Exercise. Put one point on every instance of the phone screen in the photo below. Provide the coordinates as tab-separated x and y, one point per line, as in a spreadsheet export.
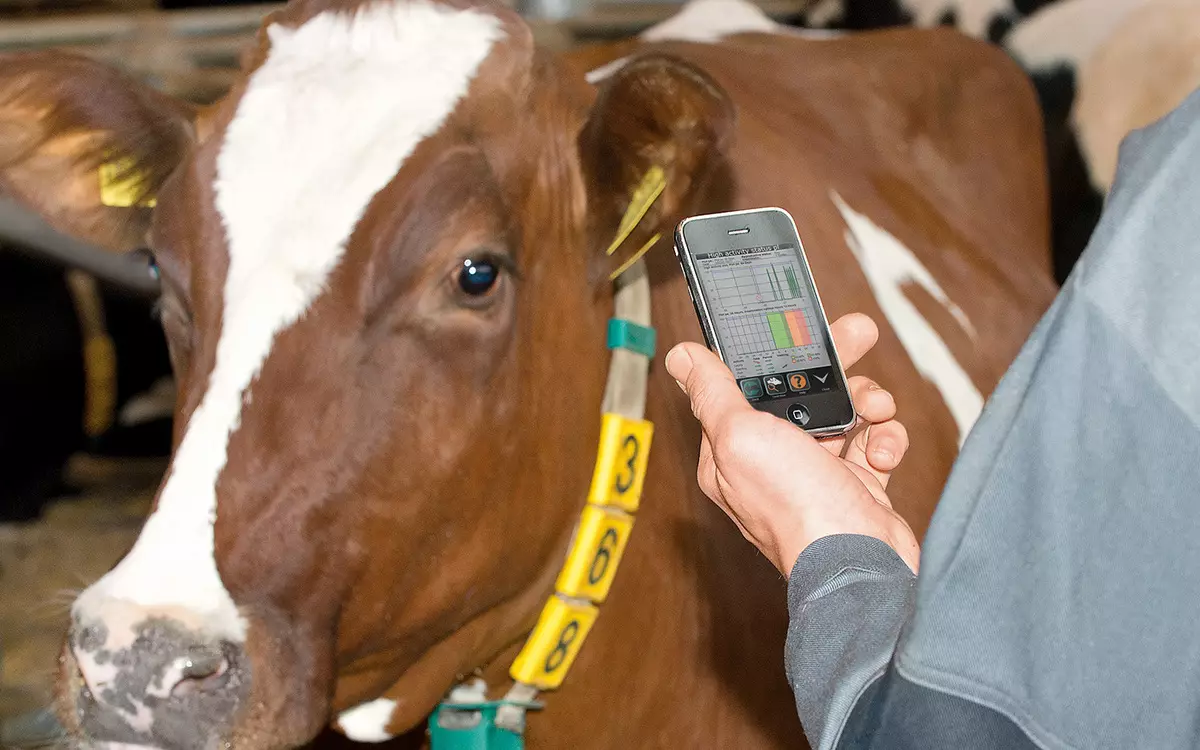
766	317
765	314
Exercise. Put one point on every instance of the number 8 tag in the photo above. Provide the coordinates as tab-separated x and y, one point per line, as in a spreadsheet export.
621	462
554	644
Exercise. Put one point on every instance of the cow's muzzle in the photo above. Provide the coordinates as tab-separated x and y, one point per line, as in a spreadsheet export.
168	686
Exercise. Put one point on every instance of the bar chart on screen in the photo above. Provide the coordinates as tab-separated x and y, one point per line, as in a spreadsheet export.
756	333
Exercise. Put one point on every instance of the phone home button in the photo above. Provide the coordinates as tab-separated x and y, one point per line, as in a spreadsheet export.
798	414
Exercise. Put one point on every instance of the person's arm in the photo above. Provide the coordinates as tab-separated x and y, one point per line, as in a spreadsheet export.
848	596
826	523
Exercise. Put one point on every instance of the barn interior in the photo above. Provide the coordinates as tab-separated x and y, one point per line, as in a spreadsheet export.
85	432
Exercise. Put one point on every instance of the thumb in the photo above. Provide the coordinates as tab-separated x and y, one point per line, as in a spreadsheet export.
709	384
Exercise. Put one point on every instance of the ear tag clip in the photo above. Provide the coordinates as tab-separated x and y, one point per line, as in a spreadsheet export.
647	191
121	186
644	195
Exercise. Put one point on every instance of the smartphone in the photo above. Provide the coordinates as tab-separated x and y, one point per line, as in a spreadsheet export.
760	312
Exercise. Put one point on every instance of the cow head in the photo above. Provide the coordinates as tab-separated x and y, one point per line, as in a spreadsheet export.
385	292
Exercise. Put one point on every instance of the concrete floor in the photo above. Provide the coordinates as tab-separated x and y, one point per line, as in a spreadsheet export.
45	563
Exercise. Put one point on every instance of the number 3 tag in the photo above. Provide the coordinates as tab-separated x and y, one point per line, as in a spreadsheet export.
621	462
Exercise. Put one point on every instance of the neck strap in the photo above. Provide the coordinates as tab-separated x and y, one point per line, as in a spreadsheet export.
604	526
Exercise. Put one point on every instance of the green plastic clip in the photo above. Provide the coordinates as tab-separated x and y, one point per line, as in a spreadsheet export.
472	726
624	334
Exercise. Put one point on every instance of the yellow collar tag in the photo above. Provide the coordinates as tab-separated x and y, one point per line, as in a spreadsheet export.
647	191
122	187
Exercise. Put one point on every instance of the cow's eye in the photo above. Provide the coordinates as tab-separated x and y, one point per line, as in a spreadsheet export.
478	276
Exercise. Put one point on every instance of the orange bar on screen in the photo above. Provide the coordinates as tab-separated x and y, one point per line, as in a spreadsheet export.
796	324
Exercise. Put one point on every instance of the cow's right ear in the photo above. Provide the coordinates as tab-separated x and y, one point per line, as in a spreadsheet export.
85	146
657	134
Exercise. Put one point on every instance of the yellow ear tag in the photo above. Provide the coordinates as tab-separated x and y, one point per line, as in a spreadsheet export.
651	186
120	187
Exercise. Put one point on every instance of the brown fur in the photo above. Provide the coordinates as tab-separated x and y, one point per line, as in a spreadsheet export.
410	464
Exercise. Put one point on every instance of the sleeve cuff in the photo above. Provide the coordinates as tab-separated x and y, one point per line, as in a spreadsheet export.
820	566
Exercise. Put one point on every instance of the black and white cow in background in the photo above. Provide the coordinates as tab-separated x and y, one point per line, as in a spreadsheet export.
984	19
1138	57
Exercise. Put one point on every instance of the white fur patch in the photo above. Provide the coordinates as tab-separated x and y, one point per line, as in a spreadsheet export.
1067	32
604	71
711	21
324	124
972	17
1142	71
368	722
708	22
157	402
888	264
825	12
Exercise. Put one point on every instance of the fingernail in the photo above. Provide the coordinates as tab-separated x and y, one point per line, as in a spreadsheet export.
679	364
874	387
885	451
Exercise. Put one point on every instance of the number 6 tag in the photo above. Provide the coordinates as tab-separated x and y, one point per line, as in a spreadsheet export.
596	553
621	462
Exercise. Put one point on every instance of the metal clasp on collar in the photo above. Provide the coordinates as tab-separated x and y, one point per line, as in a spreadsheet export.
472	726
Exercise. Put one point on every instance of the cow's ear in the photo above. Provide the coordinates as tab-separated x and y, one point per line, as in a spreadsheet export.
85	146
655	139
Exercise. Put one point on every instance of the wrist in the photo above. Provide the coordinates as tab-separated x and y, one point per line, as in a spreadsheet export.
792	538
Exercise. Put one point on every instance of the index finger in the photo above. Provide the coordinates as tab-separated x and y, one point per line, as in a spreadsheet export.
709	384
854	334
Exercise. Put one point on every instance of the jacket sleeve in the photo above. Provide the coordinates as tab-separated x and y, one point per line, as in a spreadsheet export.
848	597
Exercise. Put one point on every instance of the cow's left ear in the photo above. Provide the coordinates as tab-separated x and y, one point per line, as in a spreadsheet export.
656	136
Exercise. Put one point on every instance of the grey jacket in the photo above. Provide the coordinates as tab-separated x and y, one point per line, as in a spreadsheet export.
1058	604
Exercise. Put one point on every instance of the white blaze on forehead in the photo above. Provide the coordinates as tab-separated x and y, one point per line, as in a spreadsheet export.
368	722
888	264
323	125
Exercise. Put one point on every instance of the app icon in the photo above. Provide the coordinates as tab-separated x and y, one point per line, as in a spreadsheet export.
822	378
752	388
775	386
798	382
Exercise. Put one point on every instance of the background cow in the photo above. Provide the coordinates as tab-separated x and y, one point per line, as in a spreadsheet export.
385	295
1054	40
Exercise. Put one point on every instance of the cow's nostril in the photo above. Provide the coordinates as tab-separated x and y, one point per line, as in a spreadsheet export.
204	669
202	661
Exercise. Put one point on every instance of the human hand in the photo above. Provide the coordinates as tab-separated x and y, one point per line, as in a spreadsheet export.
783	488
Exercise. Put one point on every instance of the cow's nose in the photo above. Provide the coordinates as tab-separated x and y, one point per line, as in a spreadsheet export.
163	685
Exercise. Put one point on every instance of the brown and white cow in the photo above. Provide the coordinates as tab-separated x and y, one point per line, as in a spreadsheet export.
386	293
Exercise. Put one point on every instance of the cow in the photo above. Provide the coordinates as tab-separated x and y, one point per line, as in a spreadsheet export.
982	19
1055	41
386	290
1128	78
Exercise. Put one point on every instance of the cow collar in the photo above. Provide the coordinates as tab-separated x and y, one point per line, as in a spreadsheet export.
604	526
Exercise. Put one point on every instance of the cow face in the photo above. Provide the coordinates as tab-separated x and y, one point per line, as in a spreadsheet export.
385	291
